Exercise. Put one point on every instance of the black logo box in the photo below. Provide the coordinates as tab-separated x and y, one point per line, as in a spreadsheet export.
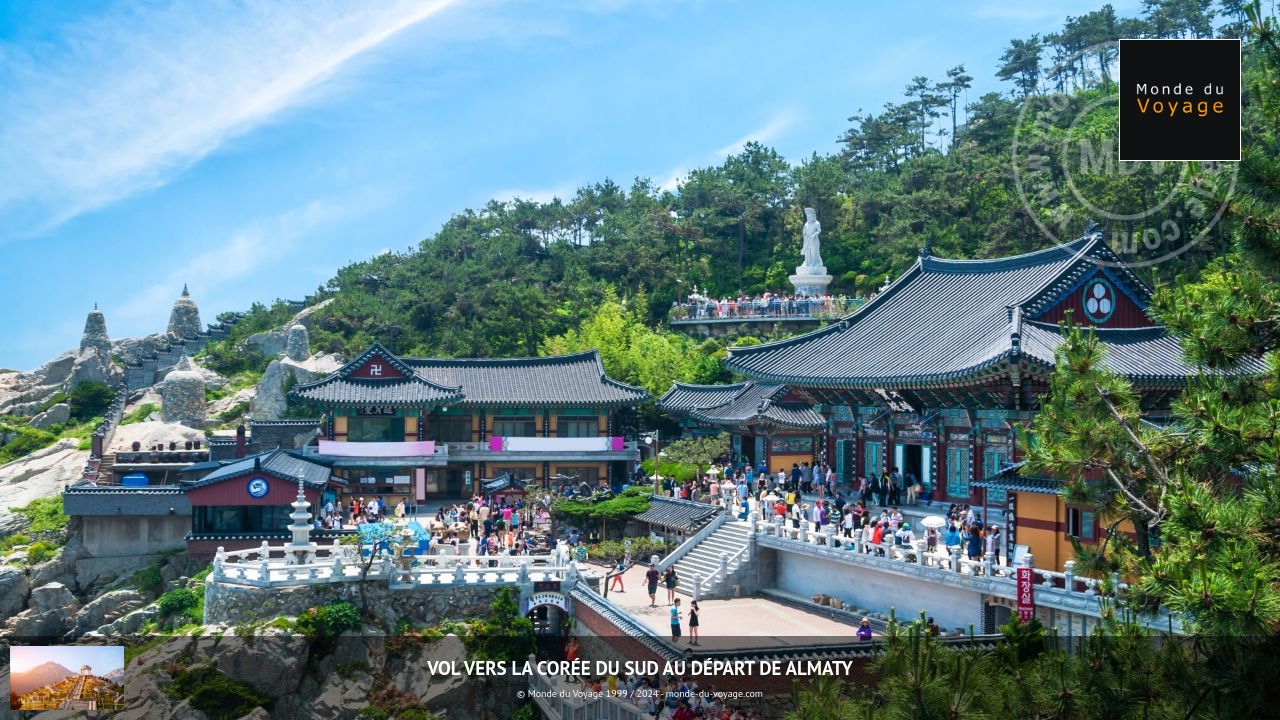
1186	69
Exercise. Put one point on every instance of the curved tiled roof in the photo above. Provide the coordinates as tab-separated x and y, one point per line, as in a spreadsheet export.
280	463
555	380
755	405
954	321
341	388
404	391
683	397
942	318
1142	354
673	513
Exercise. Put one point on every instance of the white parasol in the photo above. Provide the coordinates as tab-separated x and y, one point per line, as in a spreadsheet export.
934	521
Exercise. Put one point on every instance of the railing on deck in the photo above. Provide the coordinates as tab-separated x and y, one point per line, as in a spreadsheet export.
285	566
773	308
692	541
941	561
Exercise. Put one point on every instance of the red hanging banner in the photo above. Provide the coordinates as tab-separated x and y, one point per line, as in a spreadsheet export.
1026	595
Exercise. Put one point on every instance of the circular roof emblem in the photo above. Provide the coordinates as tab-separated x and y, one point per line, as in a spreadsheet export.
1099	300
258	487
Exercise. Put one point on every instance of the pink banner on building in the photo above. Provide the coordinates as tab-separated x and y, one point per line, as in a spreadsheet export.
377	449
421	482
540	444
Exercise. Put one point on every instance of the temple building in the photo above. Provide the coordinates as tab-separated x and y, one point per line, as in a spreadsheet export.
941	373
239	504
418	428
766	423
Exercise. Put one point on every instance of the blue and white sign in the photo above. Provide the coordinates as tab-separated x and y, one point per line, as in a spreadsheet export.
258	487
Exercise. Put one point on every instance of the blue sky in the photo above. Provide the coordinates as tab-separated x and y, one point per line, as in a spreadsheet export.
252	149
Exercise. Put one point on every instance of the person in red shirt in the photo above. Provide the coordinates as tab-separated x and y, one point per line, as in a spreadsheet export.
683	712
780	508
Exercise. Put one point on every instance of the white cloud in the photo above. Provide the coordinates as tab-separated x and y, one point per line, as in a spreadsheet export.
246	251
128	100
763	134
564	191
771	129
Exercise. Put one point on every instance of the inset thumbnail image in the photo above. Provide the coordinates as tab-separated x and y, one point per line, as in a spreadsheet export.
66	677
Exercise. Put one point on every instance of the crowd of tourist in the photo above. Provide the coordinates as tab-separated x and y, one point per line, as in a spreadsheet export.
766	305
784	496
482	526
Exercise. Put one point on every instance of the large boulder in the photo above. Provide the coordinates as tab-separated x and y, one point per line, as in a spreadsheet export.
57	415
22	393
13	591
93	363
270	402
51	625
226	404
41	474
151	433
270	343
107	608
52	596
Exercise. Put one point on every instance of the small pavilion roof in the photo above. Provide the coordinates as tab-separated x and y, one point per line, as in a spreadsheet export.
741	405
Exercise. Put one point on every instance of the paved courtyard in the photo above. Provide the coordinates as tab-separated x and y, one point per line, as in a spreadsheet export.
735	623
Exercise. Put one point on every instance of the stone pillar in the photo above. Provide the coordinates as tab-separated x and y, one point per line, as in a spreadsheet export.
95	332
297	343
1069	576
955	559
182	397
184	320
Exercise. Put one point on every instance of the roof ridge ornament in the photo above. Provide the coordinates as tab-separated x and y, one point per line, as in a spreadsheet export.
1091	227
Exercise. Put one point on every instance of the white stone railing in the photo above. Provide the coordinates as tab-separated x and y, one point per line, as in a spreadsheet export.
950	562
286	566
561	700
692	541
728	565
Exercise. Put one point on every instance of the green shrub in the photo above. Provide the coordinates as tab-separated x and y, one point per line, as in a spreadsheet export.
26	441
328	621
177	601
140	413
90	398
216	695
148	579
234	412
44	514
41	551
641	548
14	540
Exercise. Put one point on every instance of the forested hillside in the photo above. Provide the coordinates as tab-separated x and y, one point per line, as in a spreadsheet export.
931	170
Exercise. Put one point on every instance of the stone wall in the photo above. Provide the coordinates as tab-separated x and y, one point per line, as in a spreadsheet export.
108	537
805	575
239	604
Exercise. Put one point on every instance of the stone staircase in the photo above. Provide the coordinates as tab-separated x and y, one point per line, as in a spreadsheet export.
704	560
104	468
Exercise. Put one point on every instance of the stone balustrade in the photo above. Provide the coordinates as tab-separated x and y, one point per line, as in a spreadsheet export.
296	565
1063	590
